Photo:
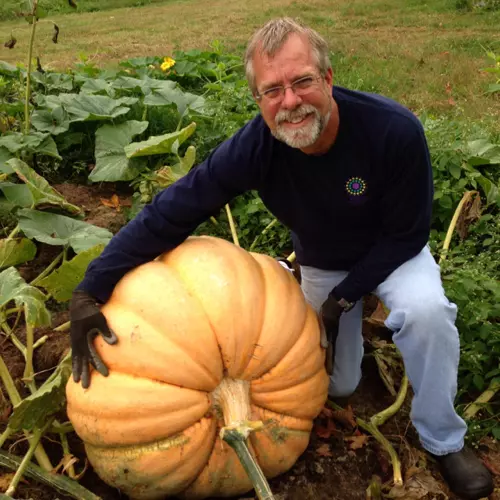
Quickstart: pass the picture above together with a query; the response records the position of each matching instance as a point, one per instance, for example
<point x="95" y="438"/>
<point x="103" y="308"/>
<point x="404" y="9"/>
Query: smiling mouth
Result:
<point x="296" y="121"/>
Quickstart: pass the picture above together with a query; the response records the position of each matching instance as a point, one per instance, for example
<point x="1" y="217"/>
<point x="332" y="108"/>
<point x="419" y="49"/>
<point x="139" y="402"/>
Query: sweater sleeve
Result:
<point x="405" y="218"/>
<point x="235" y="166"/>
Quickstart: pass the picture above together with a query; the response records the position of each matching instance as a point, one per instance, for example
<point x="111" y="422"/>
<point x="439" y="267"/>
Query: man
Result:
<point x="349" y="173"/>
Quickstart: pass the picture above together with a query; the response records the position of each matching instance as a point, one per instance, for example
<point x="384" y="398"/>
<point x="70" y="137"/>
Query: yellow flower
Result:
<point x="167" y="63"/>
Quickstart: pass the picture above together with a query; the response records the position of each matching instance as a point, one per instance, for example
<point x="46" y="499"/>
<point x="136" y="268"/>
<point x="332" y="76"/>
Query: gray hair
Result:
<point x="272" y="36"/>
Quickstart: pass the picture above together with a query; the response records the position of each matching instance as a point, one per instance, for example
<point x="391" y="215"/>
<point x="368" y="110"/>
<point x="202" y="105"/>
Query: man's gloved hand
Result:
<point x="330" y="313"/>
<point x="86" y="322"/>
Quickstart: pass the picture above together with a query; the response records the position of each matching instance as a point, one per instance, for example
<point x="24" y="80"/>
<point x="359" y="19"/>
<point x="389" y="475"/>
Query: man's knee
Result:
<point x="342" y="388"/>
<point x="429" y="316"/>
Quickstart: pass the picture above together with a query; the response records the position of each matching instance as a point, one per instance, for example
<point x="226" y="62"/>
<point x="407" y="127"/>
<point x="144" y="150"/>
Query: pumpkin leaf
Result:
<point x="16" y="251"/>
<point x="111" y="162"/>
<point x="53" y="81"/>
<point x="97" y="86"/>
<point x="8" y="69"/>
<point x="183" y="100"/>
<point x="62" y="282"/>
<point x="144" y="85"/>
<point x="87" y="107"/>
<point x="13" y="287"/>
<point x="42" y="192"/>
<point x="55" y="229"/>
<point x="170" y="174"/>
<point x="56" y="121"/>
<point x="18" y="195"/>
<point x="159" y="144"/>
<point x="34" y="142"/>
<point x="5" y="155"/>
<point x="491" y="190"/>
<point x="32" y="412"/>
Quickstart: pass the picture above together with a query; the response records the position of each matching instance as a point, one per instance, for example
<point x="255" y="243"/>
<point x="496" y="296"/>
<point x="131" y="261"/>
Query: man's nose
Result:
<point x="290" y="100"/>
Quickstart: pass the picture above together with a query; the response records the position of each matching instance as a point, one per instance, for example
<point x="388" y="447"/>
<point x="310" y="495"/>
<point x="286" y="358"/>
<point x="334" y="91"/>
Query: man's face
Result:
<point x="298" y="117"/>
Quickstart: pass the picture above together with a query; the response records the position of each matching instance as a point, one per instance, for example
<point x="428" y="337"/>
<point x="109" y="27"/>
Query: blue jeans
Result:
<point x="423" y="322"/>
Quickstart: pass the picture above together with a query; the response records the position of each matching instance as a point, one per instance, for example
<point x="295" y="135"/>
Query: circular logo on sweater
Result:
<point x="355" y="186"/>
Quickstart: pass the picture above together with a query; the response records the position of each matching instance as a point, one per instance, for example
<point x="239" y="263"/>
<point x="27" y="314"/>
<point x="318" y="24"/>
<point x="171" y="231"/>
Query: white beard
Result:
<point x="304" y="136"/>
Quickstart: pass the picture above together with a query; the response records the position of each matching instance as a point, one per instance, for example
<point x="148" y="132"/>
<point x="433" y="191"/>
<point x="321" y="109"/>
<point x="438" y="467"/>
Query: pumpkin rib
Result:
<point x="184" y="350"/>
<point x="187" y="355"/>
<point x="261" y="410"/>
<point x="207" y="316"/>
<point x="106" y="352"/>
<point x="194" y="294"/>
<point x="287" y="290"/>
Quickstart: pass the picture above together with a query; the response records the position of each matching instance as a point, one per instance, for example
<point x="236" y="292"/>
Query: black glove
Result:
<point x="330" y="314"/>
<point x="86" y="322"/>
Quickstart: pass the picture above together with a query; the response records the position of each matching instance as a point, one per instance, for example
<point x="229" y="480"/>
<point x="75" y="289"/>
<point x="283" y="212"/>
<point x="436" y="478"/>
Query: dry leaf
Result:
<point x="378" y="316"/>
<point x="419" y="486"/>
<point x="113" y="202"/>
<point x="325" y="431"/>
<point x="324" y="450"/>
<point x="471" y="212"/>
<point x="5" y="479"/>
<point x="345" y="417"/>
<point x="357" y="442"/>
<point x="411" y="471"/>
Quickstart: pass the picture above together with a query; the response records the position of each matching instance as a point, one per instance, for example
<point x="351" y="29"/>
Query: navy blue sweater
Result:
<point x="364" y="206"/>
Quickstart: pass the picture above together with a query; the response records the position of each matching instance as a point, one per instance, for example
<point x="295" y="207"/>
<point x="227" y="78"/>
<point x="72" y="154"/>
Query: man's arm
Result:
<point x="405" y="222"/>
<point x="234" y="167"/>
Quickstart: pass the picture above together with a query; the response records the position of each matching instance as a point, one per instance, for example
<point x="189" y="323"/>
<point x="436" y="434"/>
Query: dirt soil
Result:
<point x="341" y="460"/>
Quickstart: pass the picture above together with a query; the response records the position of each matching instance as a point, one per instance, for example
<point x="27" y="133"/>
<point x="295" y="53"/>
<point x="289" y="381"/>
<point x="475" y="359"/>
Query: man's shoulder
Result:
<point x="372" y="107"/>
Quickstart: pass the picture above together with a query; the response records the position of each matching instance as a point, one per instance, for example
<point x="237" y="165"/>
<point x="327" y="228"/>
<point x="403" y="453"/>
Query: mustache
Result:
<point x="287" y="115"/>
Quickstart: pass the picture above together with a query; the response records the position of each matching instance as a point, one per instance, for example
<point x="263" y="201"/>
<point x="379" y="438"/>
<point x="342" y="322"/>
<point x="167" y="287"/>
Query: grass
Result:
<point x="10" y="8"/>
<point x="427" y="55"/>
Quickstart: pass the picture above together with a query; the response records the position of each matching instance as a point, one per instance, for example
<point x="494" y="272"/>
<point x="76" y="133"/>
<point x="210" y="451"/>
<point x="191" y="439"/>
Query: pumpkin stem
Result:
<point x="233" y="397"/>
<point x="237" y="440"/>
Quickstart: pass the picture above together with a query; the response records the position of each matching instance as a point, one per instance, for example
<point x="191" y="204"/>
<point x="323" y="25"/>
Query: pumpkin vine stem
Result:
<point x="236" y="438"/>
<point x="232" y="397"/>
<point x="379" y="419"/>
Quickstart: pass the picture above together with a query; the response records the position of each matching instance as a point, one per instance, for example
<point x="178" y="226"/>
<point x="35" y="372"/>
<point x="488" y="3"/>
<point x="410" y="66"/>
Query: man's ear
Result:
<point x="329" y="77"/>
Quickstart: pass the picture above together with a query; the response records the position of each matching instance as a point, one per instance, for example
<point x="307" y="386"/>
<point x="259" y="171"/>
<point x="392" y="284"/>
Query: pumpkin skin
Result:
<point x="205" y="311"/>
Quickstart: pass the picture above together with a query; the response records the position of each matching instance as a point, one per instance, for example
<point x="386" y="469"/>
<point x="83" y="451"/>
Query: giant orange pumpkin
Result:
<point x="208" y="335"/>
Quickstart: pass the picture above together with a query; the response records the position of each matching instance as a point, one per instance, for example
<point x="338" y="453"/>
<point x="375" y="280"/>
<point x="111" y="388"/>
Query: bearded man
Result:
<point x="349" y="174"/>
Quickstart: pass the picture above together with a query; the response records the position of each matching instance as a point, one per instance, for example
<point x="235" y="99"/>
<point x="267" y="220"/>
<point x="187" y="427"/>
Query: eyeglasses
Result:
<point x="300" y="87"/>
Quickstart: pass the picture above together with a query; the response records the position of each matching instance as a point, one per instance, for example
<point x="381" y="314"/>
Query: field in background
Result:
<point x="427" y="55"/>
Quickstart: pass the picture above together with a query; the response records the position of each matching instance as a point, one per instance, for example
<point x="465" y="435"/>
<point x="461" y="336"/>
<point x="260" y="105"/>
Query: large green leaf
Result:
<point x="33" y="411"/>
<point x="98" y="86"/>
<point x="160" y="144"/>
<point x="56" y="229"/>
<point x="43" y="193"/>
<point x="55" y="121"/>
<point x="34" y="142"/>
<point x="14" y="288"/>
<point x="16" y="251"/>
<point x="483" y="152"/>
<point x="144" y="85"/>
<point x="170" y="174"/>
<point x="8" y="69"/>
<point x="62" y="282"/>
<point x="491" y="190"/>
<point x="53" y="81"/>
<point x="183" y="100"/>
<point x="111" y="162"/>
<point x="19" y="195"/>
<point x="87" y="107"/>
<point x="5" y="155"/>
